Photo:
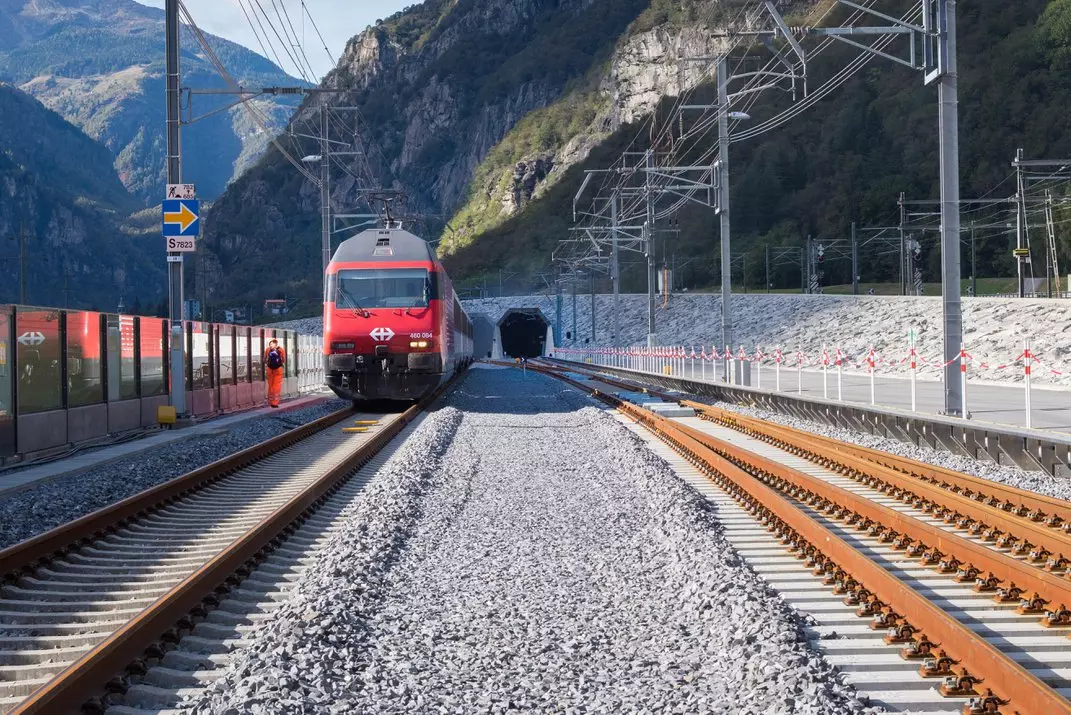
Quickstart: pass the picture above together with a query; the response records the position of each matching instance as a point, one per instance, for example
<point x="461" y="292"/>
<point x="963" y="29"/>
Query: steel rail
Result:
<point x="1039" y="504"/>
<point x="995" y="571"/>
<point x="1009" y="523"/>
<point x="1029" y="522"/>
<point x="1006" y="568"/>
<point x="165" y="620"/>
<point x="39" y="550"/>
<point x="1006" y="680"/>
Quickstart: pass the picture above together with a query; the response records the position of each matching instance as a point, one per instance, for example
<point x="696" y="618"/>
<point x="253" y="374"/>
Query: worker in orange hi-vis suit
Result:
<point x="274" y="366"/>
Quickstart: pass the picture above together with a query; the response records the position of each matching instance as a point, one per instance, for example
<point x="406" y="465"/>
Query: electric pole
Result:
<point x="723" y="207"/>
<point x="573" y="283"/>
<point x="903" y="247"/>
<point x="648" y="229"/>
<point x="615" y="271"/>
<point x="952" y="304"/>
<point x="767" y="250"/>
<point x="593" y="306"/>
<point x="325" y="191"/>
<point x="174" y="176"/>
<point x="23" y="235"/>
<point x="1020" y="211"/>
<point x="855" y="262"/>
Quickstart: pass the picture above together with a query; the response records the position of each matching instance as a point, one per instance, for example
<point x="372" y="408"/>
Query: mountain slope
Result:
<point x="488" y="112"/>
<point x="58" y="186"/>
<point x="847" y="159"/>
<point x="439" y="86"/>
<point x="99" y="63"/>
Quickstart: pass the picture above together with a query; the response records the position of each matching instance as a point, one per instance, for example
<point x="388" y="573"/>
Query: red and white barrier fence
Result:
<point x="681" y="361"/>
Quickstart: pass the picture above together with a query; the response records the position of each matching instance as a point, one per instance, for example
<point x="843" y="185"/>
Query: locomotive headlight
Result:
<point x="419" y="344"/>
<point x="342" y="346"/>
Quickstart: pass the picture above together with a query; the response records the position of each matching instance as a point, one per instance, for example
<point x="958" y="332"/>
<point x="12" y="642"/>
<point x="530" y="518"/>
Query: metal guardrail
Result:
<point x="1029" y="449"/>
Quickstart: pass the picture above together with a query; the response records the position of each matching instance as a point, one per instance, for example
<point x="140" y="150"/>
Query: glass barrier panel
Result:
<point x="38" y="353"/>
<point x="122" y="364"/>
<point x="258" y="354"/>
<point x="242" y="354"/>
<point x="7" y="405"/>
<point x="85" y="379"/>
<point x="200" y="356"/>
<point x="114" y="339"/>
<point x="292" y="353"/>
<point x="225" y="351"/>
<point x="153" y="378"/>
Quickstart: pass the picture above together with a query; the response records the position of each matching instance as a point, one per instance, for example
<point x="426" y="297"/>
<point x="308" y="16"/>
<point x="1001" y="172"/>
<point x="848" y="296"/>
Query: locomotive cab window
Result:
<point x="382" y="288"/>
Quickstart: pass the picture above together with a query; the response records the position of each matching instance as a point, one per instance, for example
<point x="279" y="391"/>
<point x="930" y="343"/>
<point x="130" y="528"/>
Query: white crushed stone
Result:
<point x="523" y="551"/>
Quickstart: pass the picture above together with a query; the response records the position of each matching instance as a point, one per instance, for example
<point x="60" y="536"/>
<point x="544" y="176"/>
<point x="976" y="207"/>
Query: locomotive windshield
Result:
<point x="383" y="288"/>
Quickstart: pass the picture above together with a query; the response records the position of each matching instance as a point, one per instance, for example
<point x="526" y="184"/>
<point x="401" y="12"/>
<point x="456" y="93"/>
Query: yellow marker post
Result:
<point x="366" y="422"/>
<point x="354" y="430"/>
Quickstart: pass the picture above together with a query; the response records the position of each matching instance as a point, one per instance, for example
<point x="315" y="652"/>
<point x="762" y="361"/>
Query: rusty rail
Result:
<point x="1032" y="501"/>
<point x="125" y="651"/>
<point x="1004" y="678"/>
<point x="39" y="550"/>
<point x="1032" y="523"/>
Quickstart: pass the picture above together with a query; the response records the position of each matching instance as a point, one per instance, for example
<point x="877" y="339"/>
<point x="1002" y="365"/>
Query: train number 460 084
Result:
<point x="420" y="335"/>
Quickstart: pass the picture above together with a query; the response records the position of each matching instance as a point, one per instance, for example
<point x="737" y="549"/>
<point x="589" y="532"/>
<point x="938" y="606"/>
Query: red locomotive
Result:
<point x="393" y="326"/>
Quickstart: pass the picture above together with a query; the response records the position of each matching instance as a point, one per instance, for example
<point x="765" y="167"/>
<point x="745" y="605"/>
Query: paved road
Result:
<point x="1051" y="409"/>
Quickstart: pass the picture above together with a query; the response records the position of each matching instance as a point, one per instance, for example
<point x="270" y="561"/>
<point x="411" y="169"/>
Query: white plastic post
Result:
<point x="963" y="380"/>
<point x="799" y="373"/>
<point x="703" y="366"/>
<point x="758" y="367"/>
<point x="1028" y="358"/>
<point x="728" y="365"/>
<point x="840" y="380"/>
<point x="777" y="371"/>
<point x="914" y="366"/>
<point x="825" y="373"/>
<point x="840" y="376"/>
<point x="871" y="361"/>
<point x="693" y="363"/>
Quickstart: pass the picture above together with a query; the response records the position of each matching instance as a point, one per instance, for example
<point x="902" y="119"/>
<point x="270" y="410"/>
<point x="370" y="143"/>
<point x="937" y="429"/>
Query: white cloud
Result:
<point x="338" y="21"/>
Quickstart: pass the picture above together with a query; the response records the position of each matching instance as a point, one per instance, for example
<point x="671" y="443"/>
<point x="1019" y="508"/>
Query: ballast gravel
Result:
<point x="522" y="551"/>
<point x="31" y="511"/>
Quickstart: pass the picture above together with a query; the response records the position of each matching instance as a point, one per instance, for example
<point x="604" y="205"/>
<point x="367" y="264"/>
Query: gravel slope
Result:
<point x="524" y="552"/>
<point x="993" y="327"/>
<point x="31" y="511"/>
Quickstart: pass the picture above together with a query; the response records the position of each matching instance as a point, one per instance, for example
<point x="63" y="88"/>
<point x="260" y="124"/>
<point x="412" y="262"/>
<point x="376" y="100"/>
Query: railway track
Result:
<point x="944" y="592"/>
<point x="140" y="604"/>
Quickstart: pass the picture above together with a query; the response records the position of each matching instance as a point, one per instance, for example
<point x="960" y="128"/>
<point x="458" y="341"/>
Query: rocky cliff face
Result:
<point x="439" y="86"/>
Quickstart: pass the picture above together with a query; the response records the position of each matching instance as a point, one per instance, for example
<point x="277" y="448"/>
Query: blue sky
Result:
<point x="338" y="20"/>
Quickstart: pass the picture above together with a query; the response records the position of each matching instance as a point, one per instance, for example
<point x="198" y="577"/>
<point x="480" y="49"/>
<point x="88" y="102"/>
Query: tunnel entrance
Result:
<point x="524" y="333"/>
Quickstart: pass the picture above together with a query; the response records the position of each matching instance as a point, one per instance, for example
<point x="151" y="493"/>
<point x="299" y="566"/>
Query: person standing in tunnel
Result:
<point x="274" y="364"/>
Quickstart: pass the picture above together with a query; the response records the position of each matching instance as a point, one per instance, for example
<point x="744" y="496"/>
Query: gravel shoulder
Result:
<point x="36" y="509"/>
<point x="523" y="551"/>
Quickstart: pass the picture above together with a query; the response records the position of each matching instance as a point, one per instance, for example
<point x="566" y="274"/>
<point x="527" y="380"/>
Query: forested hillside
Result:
<point x="846" y="160"/>
<point x="60" y="191"/>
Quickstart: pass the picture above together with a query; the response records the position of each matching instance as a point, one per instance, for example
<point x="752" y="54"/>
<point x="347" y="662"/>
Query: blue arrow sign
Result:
<point x="182" y="217"/>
